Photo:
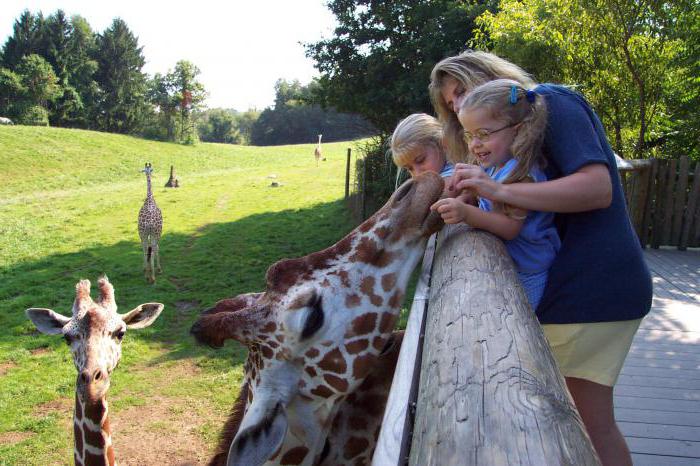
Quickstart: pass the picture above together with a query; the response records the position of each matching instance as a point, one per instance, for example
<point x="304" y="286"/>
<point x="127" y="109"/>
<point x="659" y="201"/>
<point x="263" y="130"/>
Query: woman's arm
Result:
<point x="589" y="188"/>
<point x="454" y="211"/>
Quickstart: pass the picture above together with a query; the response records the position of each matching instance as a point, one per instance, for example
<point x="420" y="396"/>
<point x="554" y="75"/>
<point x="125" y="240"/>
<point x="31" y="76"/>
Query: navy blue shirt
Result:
<point x="599" y="274"/>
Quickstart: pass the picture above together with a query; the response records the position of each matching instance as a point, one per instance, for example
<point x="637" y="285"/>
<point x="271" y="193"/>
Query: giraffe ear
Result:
<point x="143" y="315"/>
<point x="255" y="444"/>
<point x="47" y="321"/>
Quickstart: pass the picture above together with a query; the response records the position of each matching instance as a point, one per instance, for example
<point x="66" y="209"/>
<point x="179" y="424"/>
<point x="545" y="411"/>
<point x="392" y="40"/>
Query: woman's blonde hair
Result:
<point x="415" y="131"/>
<point x="470" y="69"/>
<point x="509" y="101"/>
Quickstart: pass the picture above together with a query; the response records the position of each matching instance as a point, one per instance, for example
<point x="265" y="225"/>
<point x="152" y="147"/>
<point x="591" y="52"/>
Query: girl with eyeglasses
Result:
<point x="503" y="129"/>
<point x="599" y="287"/>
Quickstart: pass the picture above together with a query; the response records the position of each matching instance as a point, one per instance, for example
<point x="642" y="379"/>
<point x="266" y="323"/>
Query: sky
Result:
<point x="241" y="47"/>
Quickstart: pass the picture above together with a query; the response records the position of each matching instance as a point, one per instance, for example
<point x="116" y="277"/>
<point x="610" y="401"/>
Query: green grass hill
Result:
<point x="69" y="201"/>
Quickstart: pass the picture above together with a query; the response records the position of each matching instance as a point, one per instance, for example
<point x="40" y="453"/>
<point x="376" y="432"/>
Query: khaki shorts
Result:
<point x="593" y="351"/>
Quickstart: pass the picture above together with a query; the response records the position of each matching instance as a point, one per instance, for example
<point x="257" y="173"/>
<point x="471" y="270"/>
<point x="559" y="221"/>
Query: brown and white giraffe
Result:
<point x="94" y="334"/>
<point x="317" y="150"/>
<point x="318" y="330"/>
<point x="150" y="228"/>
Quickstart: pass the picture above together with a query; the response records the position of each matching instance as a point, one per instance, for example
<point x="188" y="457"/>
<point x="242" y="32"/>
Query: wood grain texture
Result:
<point x="393" y="443"/>
<point x="490" y="392"/>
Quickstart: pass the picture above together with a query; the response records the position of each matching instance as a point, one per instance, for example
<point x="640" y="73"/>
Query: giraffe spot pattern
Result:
<point x="356" y="346"/>
<point x="333" y="361"/>
<point x="322" y="391"/>
<point x="363" y="324"/>
<point x="294" y="456"/>
<point x="362" y="365"/>
<point x="352" y="300"/>
<point x="388" y="282"/>
<point x="354" y="446"/>
<point x="340" y="385"/>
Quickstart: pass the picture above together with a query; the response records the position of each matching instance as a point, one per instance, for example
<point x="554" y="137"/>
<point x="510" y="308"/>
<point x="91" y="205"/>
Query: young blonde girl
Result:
<point x="416" y="146"/>
<point x="504" y="126"/>
<point x="599" y="286"/>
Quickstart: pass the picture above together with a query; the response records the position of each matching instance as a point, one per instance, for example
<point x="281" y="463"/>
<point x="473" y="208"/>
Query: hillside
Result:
<point x="69" y="201"/>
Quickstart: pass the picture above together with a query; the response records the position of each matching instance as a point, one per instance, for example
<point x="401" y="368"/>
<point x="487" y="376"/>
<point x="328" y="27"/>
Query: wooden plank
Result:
<point x="651" y="416"/>
<point x="659" y="372"/>
<point x="660" y="431"/>
<point x="665" y="393"/>
<point x="654" y="381"/>
<point x="667" y="336"/>
<point x="490" y="392"/>
<point x="658" y="216"/>
<point x="648" y="198"/>
<point x="394" y="437"/>
<point x="633" y="361"/>
<point x="680" y="406"/>
<point x="668" y="202"/>
<point x="692" y="211"/>
<point x="662" y="460"/>
<point x="679" y="201"/>
<point x="664" y="447"/>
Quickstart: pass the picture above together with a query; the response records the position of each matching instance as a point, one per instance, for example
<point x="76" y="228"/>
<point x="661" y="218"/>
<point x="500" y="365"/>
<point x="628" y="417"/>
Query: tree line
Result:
<point x="636" y="61"/>
<point x="57" y="71"/>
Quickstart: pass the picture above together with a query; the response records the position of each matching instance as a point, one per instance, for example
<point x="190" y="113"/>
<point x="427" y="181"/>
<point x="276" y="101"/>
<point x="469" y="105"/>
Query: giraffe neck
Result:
<point x="93" y="437"/>
<point x="149" y="193"/>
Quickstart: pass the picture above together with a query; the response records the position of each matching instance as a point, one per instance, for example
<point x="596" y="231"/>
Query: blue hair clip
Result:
<point x="530" y="96"/>
<point x="513" y="95"/>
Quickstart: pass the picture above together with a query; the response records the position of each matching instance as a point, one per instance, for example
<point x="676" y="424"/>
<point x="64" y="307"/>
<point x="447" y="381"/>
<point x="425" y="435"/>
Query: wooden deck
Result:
<point x="657" y="398"/>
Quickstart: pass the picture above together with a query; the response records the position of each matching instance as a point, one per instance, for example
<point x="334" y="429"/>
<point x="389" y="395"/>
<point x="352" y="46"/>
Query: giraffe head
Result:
<point x="320" y="326"/>
<point x="147" y="169"/>
<point x="94" y="334"/>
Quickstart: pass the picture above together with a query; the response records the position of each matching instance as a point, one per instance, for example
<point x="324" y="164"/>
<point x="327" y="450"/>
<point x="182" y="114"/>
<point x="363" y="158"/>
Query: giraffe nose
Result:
<point x="89" y="376"/>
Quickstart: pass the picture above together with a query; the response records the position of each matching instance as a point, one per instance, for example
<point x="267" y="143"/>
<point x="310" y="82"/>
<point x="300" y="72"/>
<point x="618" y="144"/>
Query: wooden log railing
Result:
<point x="489" y="391"/>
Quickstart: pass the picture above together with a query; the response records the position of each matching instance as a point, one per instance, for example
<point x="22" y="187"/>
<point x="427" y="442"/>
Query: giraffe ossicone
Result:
<point x="94" y="333"/>
<point x="150" y="228"/>
<point x="317" y="333"/>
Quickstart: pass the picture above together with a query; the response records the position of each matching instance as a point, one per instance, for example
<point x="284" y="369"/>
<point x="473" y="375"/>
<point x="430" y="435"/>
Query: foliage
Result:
<point x="378" y="62"/>
<point x="121" y="103"/>
<point x="628" y="57"/>
<point x="294" y="120"/>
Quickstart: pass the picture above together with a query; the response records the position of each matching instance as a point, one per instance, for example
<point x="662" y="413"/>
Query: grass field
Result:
<point x="69" y="201"/>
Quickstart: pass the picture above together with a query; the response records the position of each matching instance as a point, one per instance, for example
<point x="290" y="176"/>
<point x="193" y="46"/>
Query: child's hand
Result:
<point x="473" y="178"/>
<point x="452" y="210"/>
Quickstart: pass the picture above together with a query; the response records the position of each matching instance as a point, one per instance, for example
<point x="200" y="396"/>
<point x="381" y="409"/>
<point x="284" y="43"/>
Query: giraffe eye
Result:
<point x="314" y="320"/>
<point x="68" y="337"/>
<point x="119" y="334"/>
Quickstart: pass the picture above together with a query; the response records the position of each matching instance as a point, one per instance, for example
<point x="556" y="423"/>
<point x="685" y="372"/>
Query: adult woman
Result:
<point x="599" y="286"/>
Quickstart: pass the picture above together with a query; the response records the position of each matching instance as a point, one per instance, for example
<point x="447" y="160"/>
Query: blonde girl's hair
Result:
<point x="471" y="69"/>
<point x="509" y="101"/>
<point x="415" y="131"/>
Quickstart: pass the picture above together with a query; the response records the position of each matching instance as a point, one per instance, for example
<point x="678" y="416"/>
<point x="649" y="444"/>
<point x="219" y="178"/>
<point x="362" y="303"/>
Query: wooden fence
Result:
<point x="481" y="386"/>
<point x="663" y="200"/>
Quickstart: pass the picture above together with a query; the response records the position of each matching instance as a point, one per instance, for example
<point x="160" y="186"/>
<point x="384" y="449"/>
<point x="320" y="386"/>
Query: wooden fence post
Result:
<point x="347" y="176"/>
<point x="690" y="211"/>
<point x="490" y="392"/>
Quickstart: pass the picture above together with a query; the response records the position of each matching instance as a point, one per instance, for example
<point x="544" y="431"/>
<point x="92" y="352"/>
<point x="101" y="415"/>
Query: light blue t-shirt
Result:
<point x="535" y="248"/>
<point x="447" y="170"/>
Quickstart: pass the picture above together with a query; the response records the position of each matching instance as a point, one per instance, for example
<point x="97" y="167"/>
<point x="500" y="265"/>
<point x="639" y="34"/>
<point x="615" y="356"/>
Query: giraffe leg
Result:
<point x="156" y="252"/>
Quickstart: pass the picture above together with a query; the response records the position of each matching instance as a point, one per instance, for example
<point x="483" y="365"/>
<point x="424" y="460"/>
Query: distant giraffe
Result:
<point x="94" y="334"/>
<point x="150" y="228"/>
<point x="315" y="336"/>
<point x="317" y="150"/>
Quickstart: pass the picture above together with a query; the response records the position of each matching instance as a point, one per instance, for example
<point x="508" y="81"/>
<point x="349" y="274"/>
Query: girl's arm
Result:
<point x="454" y="211"/>
<point x="588" y="188"/>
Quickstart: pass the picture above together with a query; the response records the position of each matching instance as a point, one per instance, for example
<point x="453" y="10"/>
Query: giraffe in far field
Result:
<point x="317" y="335"/>
<point x="317" y="150"/>
<point x="94" y="334"/>
<point x="150" y="228"/>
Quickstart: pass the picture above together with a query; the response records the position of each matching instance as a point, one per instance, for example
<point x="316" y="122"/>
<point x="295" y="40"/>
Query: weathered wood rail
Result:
<point x="663" y="200"/>
<point x="488" y="390"/>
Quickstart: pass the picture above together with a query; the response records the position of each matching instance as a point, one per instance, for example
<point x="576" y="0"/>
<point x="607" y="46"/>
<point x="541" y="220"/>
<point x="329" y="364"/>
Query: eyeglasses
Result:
<point x="483" y="135"/>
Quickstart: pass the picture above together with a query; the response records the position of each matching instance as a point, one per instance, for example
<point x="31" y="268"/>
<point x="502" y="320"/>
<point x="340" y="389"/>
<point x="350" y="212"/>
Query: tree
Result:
<point x="189" y="96"/>
<point x="623" y="54"/>
<point x="378" y="63"/>
<point x="26" y="39"/>
<point x="11" y="91"/>
<point x="40" y="86"/>
<point x="219" y="125"/>
<point x="121" y="105"/>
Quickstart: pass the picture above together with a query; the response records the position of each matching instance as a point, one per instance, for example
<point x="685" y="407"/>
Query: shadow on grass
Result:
<point x="218" y="261"/>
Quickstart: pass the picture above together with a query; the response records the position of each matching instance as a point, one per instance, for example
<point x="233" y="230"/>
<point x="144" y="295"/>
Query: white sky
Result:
<point x="241" y="47"/>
